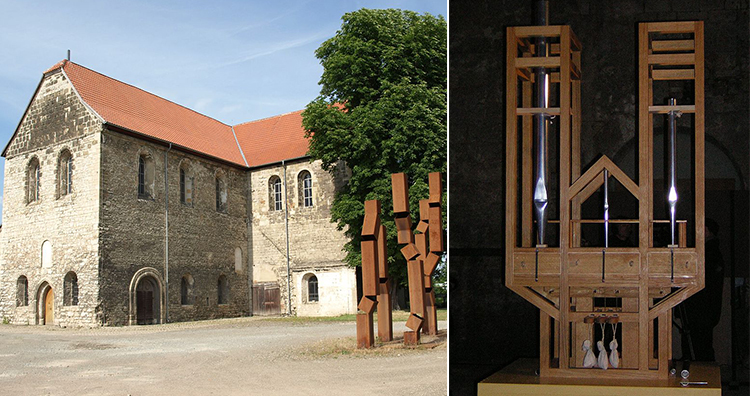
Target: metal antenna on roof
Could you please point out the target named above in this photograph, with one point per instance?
(68, 55)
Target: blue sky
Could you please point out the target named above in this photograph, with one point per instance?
(235, 61)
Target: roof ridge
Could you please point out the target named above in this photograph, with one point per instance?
(270, 117)
(65, 62)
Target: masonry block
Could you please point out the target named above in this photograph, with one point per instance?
(436, 230)
(382, 242)
(424, 215)
(400, 188)
(369, 268)
(371, 225)
(436, 188)
(403, 225)
(431, 263)
(416, 286)
(414, 322)
(365, 331)
(385, 321)
(411, 338)
(367, 304)
(410, 251)
(420, 241)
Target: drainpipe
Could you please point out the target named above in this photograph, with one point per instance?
(286, 223)
(166, 235)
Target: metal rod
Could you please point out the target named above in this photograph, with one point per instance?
(604, 260)
(288, 262)
(536, 266)
(542, 124)
(685, 373)
(672, 198)
(606, 208)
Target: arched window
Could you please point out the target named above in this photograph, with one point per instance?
(239, 266)
(304, 184)
(22, 291)
(221, 194)
(187, 183)
(64, 174)
(145, 177)
(33, 175)
(70, 289)
(274, 193)
(186, 290)
(312, 289)
(222, 287)
(46, 254)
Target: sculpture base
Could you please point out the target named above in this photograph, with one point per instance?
(411, 337)
(519, 378)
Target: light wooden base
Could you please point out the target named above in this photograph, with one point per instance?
(519, 378)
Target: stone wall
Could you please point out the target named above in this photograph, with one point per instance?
(490, 325)
(202, 241)
(55, 121)
(337, 291)
(314, 242)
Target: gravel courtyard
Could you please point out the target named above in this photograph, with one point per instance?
(244, 356)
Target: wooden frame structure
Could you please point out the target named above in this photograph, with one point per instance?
(565, 280)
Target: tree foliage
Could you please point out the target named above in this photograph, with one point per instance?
(382, 109)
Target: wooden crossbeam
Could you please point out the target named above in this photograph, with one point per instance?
(673, 74)
(537, 31)
(672, 45)
(538, 110)
(671, 27)
(548, 61)
(667, 109)
(671, 59)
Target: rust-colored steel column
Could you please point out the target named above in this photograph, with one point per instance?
(370, 278)
(385, 320)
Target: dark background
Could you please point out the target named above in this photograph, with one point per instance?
(490, 326)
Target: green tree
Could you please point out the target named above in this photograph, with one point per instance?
(382, 109)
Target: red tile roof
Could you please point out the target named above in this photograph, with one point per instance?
(272, 139)
(120, 104)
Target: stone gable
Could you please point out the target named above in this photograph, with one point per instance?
(55, 122)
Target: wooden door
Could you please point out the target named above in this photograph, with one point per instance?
(266, 299)
(49, 307)
(272, 303)
(145, 306)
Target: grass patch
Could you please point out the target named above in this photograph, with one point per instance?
(347, 347)
(398, 316)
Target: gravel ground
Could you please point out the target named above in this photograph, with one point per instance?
(244, 356)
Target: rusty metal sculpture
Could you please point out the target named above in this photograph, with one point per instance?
(421, 260)
(385, 320)
(371, 230)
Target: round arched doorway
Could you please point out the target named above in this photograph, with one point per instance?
(147, 298)
(147, 301)
(45, 304)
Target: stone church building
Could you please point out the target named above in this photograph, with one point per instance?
(121, 207)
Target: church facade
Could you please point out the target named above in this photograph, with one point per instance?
(121, 207)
